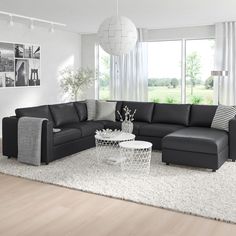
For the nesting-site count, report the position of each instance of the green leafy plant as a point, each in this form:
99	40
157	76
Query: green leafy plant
174	83
170	100
74	81
196	99
156	100
193	69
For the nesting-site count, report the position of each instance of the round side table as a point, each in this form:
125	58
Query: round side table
136	156
107	149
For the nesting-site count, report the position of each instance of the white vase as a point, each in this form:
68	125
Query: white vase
127	127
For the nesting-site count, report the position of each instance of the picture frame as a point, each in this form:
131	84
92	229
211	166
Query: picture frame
20	65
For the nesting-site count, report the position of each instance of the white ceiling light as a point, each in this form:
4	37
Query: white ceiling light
31	24
11	22
117	35
52	30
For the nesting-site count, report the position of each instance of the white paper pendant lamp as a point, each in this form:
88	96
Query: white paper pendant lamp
117	35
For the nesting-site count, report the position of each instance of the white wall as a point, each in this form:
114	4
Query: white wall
88	42
58	49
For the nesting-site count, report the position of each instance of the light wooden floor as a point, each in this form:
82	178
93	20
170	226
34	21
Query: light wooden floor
32	208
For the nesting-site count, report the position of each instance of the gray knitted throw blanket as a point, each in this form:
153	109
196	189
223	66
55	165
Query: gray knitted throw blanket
29	140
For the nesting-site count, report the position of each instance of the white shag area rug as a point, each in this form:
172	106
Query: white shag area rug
189	190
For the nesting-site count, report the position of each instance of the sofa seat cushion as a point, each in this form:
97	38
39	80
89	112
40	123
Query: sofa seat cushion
39	111
117	125
87	128
66	135
196	139
64	114
159	130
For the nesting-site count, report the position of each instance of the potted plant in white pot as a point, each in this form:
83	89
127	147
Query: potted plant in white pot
74	81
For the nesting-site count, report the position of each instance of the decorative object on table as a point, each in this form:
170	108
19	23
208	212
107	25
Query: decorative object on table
127	123
19	65
108	133
117	35
219	74
74	81
222	117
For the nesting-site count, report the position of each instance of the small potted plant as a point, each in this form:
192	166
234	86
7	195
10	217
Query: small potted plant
127	123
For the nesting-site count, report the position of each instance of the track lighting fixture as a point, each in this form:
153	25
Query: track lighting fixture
32	20
52	30
31	24
11	22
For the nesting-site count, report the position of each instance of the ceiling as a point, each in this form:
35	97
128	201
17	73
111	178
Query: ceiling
84	16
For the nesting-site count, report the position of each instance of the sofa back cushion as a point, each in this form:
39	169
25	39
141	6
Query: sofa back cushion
39	111
118	108
64	114
81	109
171	114
143	113
202	115
105	111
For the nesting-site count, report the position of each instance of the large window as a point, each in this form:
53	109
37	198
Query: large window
164	72
199	63
179	71
103	74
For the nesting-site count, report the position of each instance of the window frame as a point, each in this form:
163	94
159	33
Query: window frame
183	78
183	64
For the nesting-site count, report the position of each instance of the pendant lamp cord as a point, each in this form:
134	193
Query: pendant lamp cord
117	7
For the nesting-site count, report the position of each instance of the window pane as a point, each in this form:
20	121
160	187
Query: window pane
199	63
104	74
164	71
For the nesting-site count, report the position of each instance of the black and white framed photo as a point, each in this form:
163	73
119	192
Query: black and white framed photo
34	70
22	72
19	65
28	51
19	50
6	57
36	52
7	79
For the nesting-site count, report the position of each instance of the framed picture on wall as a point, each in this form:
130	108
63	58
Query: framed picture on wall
6	57
19	65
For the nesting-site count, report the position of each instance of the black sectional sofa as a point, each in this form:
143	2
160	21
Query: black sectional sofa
181	131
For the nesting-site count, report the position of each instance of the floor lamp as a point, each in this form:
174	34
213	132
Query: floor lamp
219	74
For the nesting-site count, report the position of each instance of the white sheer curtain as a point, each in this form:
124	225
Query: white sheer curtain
129	73
225	59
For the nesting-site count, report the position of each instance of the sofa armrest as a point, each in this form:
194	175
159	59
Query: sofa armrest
232	139
47	142
10	139
9	136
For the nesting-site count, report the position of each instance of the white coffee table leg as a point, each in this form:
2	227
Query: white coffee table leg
136	160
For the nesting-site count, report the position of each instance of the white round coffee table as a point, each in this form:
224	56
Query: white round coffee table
136	156
107	149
